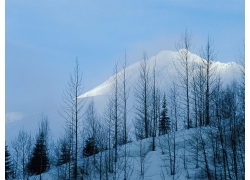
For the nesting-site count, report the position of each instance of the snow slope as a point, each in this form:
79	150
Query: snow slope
156	164
166	64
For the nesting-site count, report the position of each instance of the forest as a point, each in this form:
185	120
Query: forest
194	128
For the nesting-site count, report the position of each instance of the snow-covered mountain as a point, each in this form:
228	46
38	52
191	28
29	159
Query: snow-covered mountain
166	66
166	71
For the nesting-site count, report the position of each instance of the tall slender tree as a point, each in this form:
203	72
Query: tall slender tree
124	98
183	66
208	59
125	90
155	108
142	96
72	112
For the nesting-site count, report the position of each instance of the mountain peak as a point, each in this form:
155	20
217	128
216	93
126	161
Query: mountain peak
164	67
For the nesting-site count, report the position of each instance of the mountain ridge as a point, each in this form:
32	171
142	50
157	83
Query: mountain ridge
164	59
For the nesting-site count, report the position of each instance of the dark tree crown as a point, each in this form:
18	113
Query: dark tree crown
39	161
90	147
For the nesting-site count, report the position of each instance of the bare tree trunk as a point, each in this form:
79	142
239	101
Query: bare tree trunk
155	106
142	95
174	106
205	158
208	58
183	68
125	94
72	110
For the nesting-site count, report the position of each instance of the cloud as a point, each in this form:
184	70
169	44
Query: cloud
14	116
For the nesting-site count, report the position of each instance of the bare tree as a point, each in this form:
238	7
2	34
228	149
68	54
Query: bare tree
101	139
142	96
72	111
125	90
197	84
155	108
114	122
208	59
22	148
169	155
143	160
183	67
92	124
241	81
124	97
108	118
127	166
116	105
204	153
174	104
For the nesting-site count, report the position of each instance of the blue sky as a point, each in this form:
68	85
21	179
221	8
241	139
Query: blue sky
43	39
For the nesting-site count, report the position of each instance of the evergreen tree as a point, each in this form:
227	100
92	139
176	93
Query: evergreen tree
9	173
164	123
64	154
90	147
39	161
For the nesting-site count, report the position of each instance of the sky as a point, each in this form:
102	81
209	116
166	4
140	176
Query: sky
44	38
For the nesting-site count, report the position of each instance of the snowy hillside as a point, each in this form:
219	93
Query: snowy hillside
174	158
212	146
155	163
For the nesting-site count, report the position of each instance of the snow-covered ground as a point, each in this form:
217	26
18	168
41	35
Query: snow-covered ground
154	162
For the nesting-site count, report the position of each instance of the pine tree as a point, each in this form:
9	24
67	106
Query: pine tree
9	173
164	123
65	154
39	161
90	147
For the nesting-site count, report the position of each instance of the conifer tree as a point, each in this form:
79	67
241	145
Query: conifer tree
90	147
164	124
64	154
39	161
9	173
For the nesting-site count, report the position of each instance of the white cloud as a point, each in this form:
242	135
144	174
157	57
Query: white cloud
14	116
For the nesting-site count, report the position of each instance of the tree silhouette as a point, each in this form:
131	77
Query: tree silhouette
64	154
164	123
39	161
90	147
9	173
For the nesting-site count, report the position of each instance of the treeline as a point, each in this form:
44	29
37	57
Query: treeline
95	146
